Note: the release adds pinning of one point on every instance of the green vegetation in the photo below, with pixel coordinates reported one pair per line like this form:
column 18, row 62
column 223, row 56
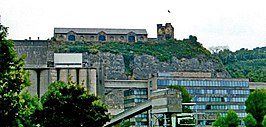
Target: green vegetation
column 164, row 51
column 230, row 120
column 124, row 123
column 256, row 105
column 186, row 98
column 62, row 105
column 250, row 121
column 71, row 105
column 264, row 121
column 245, row 63
column 15, row 107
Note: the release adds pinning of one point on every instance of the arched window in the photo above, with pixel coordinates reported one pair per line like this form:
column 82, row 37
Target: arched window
column 92, row 38
column 112, row 38
column 122, row 38
column 81, row 37
column 61, row 36
column 131, row 38
column 71, row 38
column 102, row 38
column 141, row 38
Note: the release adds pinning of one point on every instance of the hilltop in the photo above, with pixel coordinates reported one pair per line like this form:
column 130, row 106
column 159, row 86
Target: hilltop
column 245, row 63
column 138, row 60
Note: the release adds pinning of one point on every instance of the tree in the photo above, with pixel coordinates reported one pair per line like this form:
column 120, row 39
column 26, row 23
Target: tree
column 124, row 123
column 220, row 122
column 264, row 121
column 28, row 106
column 13, row 79
column 71, row 105
column 186, row 98
column 256, row 105
column 230, row 120
column 250, row 121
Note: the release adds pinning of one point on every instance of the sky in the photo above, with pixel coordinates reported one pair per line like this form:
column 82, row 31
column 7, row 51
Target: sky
column 234, row 23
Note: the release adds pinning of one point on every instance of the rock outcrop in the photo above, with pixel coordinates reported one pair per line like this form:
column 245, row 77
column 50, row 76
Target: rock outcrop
column 115, row 66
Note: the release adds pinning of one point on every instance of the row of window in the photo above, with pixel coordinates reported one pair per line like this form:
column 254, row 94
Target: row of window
column 139, row 123
column 218, row 107
column 103, row 38
column 135, row 92
column 167, row 82
column 242, row 115
column 208, row 91
column 219, row 99
column 141, row 116
column 225, row 107
column 135, row 100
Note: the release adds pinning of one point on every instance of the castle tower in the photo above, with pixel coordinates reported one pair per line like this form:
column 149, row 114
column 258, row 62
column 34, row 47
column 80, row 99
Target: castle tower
column 165, row 32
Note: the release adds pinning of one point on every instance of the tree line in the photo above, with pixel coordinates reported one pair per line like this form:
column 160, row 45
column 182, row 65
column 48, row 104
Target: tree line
column 243, row 63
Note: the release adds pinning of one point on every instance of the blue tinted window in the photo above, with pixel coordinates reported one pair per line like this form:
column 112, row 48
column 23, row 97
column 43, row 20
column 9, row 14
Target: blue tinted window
column 131, row 38
column 71, row 38
column 102, row 38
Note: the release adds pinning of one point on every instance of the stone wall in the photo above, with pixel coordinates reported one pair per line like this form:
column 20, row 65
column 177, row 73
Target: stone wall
column 35, row 50
column 95, row 38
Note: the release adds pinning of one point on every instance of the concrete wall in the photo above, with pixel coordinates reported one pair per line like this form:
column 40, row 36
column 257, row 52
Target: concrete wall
column 42, row 78
column 35, row 50
column 44, row 81
column 33, row 78
column 126, row 83
column 257, row 85
column 114, row 93
column 92, row 81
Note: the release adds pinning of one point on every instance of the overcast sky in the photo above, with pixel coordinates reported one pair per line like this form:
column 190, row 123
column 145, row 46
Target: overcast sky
column 236, row 23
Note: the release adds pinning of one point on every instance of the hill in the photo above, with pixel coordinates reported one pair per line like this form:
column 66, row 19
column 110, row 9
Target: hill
column 245, row 63
column 138, row 60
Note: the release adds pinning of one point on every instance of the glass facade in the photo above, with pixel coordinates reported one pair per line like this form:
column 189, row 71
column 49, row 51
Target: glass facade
column 133, row 97
column 218, row 83
column 135, row 92
column 219, row 99
column 212, row 96
column 135, row 100
column 217, row 91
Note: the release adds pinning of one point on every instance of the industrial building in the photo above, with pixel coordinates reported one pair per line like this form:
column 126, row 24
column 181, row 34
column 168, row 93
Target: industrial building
column 212, row 95
column 133, row 97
